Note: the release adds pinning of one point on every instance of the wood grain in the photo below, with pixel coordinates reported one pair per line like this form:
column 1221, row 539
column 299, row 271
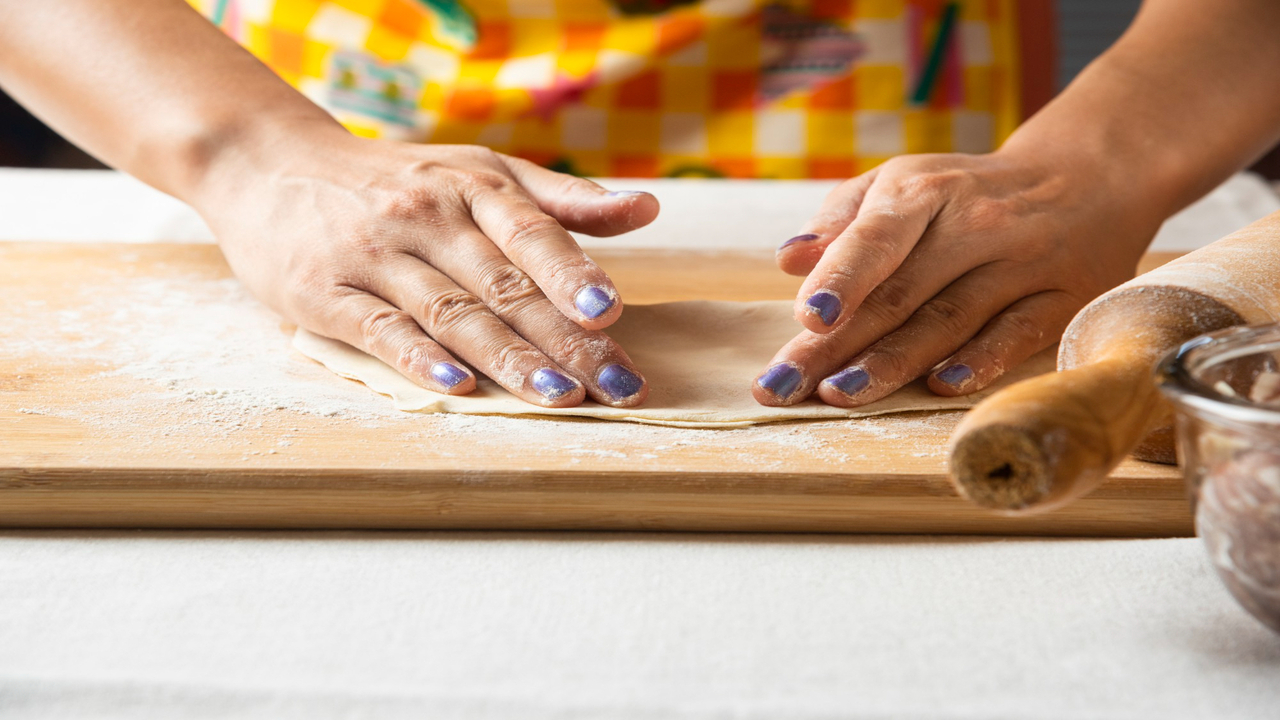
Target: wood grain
column 175, row 467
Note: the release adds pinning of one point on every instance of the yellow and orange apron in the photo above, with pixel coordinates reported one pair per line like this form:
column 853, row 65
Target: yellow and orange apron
column 653, row 88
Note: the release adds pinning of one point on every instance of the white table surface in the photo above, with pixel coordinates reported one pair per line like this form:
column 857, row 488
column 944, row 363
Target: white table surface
column 565, row 625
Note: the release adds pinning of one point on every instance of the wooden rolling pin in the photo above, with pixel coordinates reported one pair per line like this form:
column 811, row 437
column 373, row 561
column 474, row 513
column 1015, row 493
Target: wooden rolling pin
column 1043, row 442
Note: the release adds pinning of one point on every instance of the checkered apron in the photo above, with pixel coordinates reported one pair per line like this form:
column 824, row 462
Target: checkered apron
column 653, row 88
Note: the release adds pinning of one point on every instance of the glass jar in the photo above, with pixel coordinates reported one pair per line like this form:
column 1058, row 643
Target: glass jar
column 1225, row 388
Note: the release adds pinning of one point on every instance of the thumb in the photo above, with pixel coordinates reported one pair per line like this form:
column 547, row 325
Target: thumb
column 581, row 205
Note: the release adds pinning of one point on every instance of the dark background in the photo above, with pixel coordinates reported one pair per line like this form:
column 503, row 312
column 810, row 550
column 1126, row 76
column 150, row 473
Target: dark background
column 1085, row 28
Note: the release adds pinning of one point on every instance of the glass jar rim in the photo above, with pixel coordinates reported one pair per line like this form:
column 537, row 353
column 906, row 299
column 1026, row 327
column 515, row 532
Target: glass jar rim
column 1175, row 374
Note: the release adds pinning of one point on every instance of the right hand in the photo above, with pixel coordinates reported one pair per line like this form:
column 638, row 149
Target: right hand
column 955, row 267
column 423, row 255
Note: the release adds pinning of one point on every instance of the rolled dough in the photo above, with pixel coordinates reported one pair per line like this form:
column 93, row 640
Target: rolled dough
column 700, row 358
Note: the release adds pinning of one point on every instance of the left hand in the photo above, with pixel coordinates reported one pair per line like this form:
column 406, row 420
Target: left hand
column 955, row 266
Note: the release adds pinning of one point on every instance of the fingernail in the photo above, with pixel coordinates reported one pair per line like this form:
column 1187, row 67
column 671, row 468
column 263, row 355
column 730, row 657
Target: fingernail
column 448, row 374
column 618, row 382
column 825, row 305
column 849, row 381
column 551, row 384
column 807, row 237
column 957, row 376
column 593, row 301
column 624, row 193
column 782, row 380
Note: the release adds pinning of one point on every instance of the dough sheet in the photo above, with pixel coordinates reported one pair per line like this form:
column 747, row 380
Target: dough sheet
column 700, row 358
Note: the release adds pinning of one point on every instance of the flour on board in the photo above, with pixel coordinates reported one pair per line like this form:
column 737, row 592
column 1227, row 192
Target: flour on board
column 208, row 364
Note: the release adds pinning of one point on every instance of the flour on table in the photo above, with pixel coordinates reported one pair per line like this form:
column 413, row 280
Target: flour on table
column 700, row 359
column 212, row 360
column 209, row 367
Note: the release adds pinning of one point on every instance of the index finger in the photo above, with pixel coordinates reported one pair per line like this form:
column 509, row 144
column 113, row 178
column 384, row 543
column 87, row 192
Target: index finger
column 800, row 254
column 537, row 244
column 865, row 254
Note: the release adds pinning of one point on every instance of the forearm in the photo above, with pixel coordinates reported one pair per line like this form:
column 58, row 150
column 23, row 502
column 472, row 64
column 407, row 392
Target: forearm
column 148, row 86
column 1187, row 97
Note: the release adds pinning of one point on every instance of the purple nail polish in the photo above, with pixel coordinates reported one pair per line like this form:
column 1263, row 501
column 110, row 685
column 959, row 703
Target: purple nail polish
column 849, row 381
column 624, row 193
column 618, row 382
column 782, row 380
column 807, row 237
column 593, row 301
column 957, row 376
column 551, row 384
column 825, row 305
column 448, row 374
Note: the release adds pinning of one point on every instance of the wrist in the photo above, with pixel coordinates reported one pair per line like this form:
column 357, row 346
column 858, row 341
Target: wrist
column 217, row 158
column 1089, row 176
column 1107, row 130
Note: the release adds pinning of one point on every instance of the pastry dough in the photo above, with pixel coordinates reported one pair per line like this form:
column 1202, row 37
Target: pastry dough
column 700, row 358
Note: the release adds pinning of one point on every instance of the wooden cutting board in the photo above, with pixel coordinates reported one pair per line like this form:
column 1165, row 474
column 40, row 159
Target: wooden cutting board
column 141, row 387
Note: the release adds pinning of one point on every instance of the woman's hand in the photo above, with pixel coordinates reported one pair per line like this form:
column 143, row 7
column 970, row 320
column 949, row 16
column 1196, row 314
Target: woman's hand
column 955, row 266
column 427, row 255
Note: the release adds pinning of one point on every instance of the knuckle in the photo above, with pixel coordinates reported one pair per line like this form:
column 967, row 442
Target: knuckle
column 482, row 180
column 424, row 166
column 572, row 194
column 481, row 155
column 948, row 315
column 377, row 326
column 586, row 347
column 368, row 246
column 985, row 357
column 841, row 276
column 530, row 228
column 899, row 166
column 408, row 203
column 445, row 309
column 984, row 214
column 573, row 183
column 315, row 284
column 892, row 299
column 511, row 364
column 565, row 270
column 1022, row 326
column 876, row 239
column 411, row 354
column 578, row 190
column 309, row 278
column 927, row 183
column 891, row 362
column 509, row 287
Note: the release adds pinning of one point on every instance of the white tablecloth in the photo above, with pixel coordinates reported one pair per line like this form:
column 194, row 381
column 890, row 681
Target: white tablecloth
column 466, row 625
